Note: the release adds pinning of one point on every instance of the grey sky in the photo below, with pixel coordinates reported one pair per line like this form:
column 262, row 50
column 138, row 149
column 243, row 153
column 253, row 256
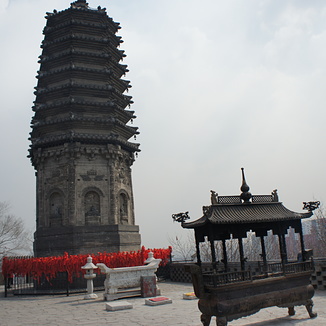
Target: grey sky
column 217, row 85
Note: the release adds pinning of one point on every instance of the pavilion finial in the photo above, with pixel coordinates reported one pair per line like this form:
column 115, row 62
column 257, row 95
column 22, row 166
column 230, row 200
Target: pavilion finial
column 245, row 195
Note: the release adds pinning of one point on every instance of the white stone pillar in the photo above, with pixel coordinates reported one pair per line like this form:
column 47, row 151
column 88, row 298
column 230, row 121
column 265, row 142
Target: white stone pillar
column 89, row 275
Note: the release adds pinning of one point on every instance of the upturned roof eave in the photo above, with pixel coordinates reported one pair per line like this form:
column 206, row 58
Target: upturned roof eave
column 212, row 215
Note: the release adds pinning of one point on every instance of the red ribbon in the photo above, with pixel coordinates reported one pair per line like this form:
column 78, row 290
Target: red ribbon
column 50, row 266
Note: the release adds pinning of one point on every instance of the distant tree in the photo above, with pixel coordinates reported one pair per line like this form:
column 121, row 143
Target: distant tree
column 318, row 232
column 14, row 239
column 183, row 247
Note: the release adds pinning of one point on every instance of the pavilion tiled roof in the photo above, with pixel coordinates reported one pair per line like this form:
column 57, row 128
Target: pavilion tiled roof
column 239, row 213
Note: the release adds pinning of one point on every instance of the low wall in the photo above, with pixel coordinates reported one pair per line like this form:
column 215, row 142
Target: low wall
column 178, row 273
column 318, row 278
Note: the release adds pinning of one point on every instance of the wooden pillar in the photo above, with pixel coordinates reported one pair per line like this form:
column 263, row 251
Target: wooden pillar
column 302, row 243
column 213, row 254
column 284, row 248
column 281, row 240
column 242, row 259
column 198, row 253
column 225, row 256
column 263, row 252
column 197, row 247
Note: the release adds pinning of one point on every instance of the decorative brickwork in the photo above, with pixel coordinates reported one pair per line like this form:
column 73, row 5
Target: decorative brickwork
column 318, row 278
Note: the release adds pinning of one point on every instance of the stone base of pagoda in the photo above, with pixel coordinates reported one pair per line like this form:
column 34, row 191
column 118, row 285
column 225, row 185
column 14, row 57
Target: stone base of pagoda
column 55, row 241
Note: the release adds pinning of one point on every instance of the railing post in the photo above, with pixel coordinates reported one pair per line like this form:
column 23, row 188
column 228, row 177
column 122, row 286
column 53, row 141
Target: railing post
column 67, row 284
column 6, row 286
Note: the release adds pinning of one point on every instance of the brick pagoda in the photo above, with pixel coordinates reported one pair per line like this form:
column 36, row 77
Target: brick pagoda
column 80, row 135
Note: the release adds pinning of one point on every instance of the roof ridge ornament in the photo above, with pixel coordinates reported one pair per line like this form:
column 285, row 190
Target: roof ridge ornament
column 214, row 197
column 311, row 205
column 181, row 217
column 274, row 196
column 245, row 195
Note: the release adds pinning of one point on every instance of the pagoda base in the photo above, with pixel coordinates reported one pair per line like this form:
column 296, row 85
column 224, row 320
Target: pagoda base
column 74, row 240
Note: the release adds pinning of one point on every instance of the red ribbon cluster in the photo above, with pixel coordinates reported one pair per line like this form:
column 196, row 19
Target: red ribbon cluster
column 50, row 266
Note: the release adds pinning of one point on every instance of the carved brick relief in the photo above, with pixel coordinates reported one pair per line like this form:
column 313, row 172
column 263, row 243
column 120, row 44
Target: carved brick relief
column 56, row 209
column 123, row 208
column 92, row 206
column 91, row 175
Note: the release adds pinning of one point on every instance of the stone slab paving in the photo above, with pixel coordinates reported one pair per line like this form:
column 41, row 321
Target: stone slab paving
column 74, row 310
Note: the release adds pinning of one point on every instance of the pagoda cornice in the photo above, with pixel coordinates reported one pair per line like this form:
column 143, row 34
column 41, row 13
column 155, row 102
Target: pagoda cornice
column 58, row 47
column 40, row 90
column 98, row 10
column 106, row 71
column 71, row 88
column 76, row 101
column 78, row 118
column 104, row 77
column 75, row 9
column 77, row 22
column 78, row 55
column 77, row 150
column 72, row 50
column 71, row 137
column 78, row 36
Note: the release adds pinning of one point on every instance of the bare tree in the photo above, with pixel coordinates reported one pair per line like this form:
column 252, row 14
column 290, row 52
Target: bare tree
column 316, row 238
column 14, row 239
column 321, row 230
column 183, row 247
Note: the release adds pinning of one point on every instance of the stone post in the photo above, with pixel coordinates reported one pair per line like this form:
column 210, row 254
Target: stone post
column 89, row 275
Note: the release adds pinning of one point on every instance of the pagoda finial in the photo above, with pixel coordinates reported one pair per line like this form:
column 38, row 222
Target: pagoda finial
column 79, row 4
column 245, row 195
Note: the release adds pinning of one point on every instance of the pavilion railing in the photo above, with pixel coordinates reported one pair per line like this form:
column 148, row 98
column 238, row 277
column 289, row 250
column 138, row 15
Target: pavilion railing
column 214, row 279
column 290, row 268
column 237, row 199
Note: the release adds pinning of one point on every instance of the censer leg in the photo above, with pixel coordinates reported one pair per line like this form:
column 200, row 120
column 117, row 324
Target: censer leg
column 309, row 309
column 221, row 321
column 291, row 311
column 205, row 319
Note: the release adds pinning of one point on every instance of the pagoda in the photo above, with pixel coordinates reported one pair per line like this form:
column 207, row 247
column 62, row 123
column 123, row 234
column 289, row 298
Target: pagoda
column 80, row 135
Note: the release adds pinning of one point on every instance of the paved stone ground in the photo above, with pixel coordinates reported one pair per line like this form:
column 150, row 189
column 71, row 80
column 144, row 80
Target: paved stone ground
column 73, row 310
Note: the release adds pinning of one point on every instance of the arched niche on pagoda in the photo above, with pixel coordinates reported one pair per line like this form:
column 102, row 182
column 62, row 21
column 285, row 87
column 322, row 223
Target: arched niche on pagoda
column 55, row 208
column 92, row 202
column 124, row 207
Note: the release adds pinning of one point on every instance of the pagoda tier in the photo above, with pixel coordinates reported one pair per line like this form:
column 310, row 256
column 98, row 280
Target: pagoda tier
column 80, row 135
column 80, row 94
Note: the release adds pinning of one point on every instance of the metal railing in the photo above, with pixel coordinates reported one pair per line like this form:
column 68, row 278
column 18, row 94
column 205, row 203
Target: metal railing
column 214, row 279
column 289, row 268
column 27, row 285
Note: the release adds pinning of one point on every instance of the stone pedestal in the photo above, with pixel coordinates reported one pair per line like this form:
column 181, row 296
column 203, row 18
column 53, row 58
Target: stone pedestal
column 75, row 240
column 148, row 286
column 125, row 282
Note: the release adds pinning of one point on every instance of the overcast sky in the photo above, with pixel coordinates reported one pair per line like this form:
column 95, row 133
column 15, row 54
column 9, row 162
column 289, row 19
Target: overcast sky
column 217, row 85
